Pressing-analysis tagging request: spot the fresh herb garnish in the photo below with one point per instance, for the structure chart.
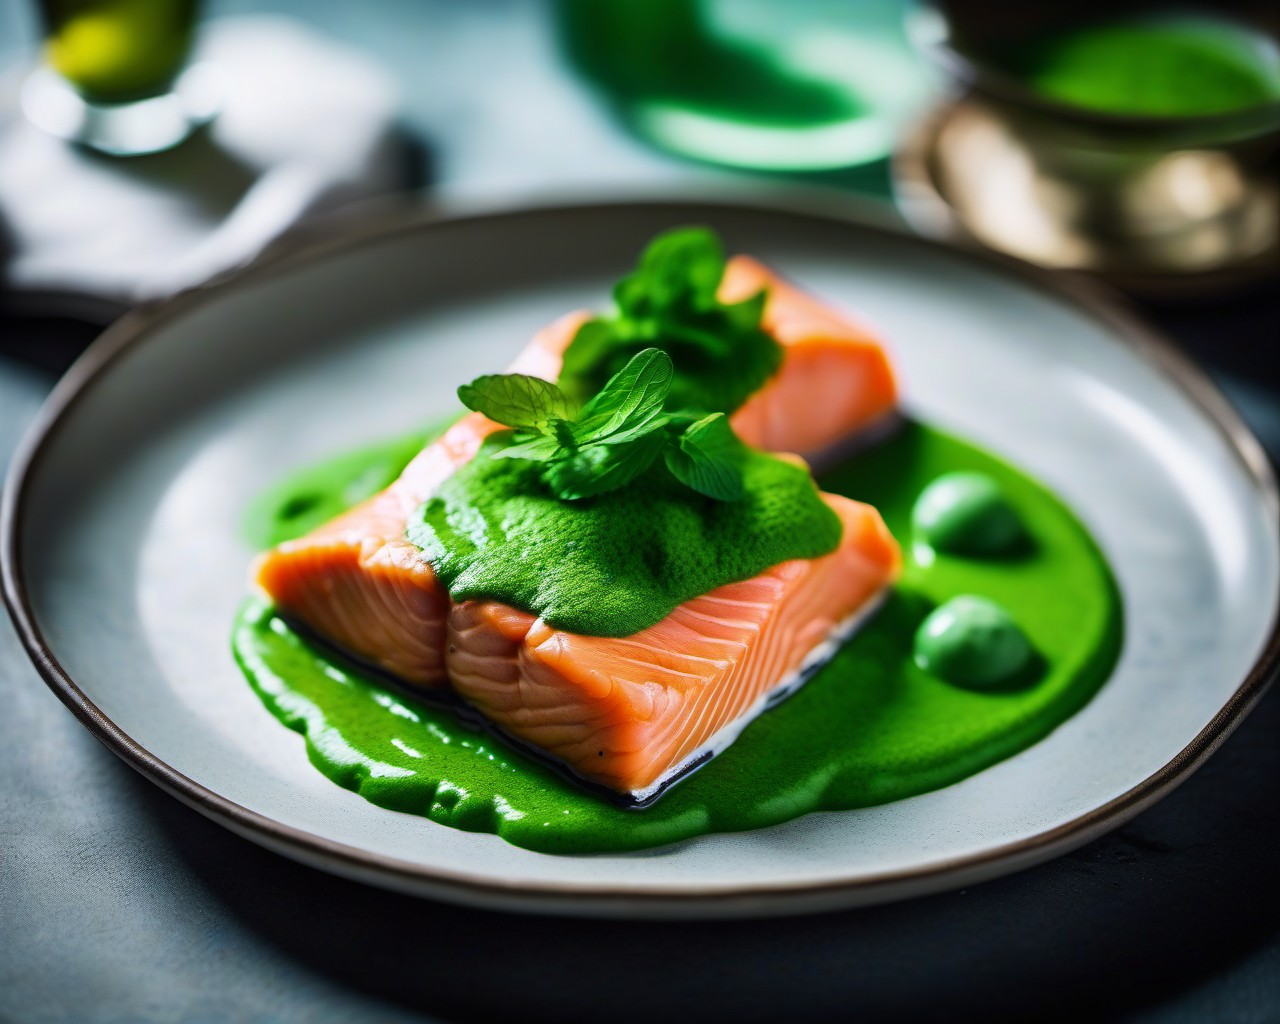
(670, 302)
(707, 458)
(614, 437)
(517, 400)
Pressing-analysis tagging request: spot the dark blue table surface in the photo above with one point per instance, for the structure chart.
(119, 904)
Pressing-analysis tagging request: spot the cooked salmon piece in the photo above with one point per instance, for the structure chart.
(637, 713)
(835, 381)
(358, 584)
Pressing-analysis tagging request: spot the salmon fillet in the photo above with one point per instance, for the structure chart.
(835, 380)
(359, 584)
(635, 714)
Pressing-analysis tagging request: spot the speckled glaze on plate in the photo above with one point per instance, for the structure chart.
(123, 562)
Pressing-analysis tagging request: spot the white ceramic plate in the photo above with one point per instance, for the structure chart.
(124, 564)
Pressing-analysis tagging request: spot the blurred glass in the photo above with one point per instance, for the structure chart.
(114, 51)
(804, 85)
(115, 76)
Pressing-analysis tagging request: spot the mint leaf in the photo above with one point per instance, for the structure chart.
(538, 448)
(709, 458)
(721, 353)
(617, 435)
(599, 468)
(681, 265)
(632, 431)
(517, 400)
(632, 399)
(621, 430)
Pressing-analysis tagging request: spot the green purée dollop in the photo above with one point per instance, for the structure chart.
(972, 642)
(617, 563)
(966, 514)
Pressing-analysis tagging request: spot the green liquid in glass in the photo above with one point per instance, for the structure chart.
(117, 51)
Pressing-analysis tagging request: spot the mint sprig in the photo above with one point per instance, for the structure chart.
(670, 302)
(707, 458)
(517, 400)
(615, 436)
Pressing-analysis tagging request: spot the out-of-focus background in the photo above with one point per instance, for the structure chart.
(495, 88)
(292, 118)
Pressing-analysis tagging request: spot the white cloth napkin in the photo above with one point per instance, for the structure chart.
(305, 126)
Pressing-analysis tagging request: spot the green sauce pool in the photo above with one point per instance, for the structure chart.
(869, 728)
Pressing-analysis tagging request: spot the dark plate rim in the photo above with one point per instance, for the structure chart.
(594, 898)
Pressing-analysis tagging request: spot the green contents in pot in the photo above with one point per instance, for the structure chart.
(1169, 66)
